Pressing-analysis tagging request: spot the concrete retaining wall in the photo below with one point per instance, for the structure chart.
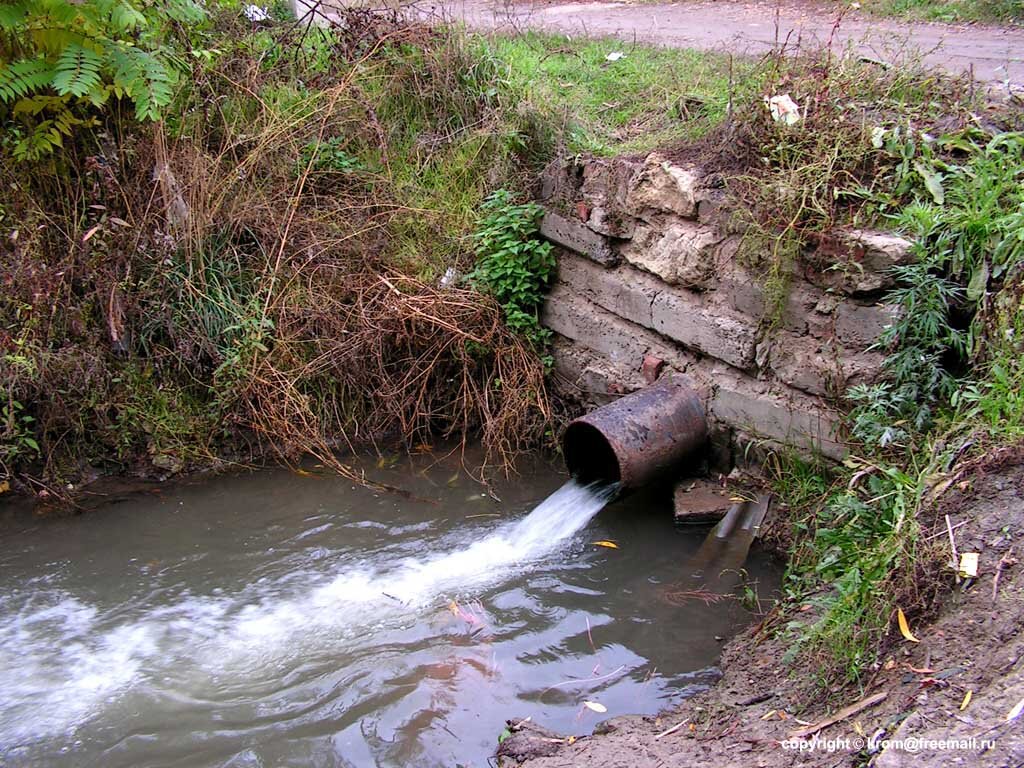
(649, 280)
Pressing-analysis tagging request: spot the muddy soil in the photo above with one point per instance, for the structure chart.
(916, 697)
(992, 55)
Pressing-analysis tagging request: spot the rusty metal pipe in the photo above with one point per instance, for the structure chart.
(638, 436)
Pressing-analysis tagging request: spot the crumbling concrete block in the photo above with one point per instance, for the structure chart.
(804, 363)
(585, 375)
(858, 326)
(712, 330)
(781, 416)
(605, 189)
(699, 501)
(625, 292)
(572, 315)
(577, 237)
(681, 253)
(860, 261)
(742, 291)
(712, 209)
(661, 187)
(821, 368)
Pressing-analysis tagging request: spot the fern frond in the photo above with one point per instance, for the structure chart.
(185, 11)
(33, 105)
(144, 78)
(52, 40)
(42, 140)
(125, 18)
(78, 70)
(12, 15)
(24, 77)
(65, 13)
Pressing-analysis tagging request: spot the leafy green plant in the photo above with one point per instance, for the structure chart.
(61, 60)
(952, 374)
(16, 434)
(512, 264)
(967, 221)
(329, 156)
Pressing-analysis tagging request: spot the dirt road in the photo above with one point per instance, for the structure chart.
(995, 55)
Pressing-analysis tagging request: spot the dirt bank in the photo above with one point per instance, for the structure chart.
(974, 647)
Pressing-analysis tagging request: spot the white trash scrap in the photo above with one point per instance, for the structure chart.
(254, 13)
(783, 109)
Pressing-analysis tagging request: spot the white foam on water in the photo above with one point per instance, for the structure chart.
(61, 662)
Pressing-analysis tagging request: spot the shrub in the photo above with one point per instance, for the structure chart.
(61, 60)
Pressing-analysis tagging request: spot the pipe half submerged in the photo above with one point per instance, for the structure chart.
(638, 437)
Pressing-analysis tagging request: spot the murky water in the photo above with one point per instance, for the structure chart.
(277, 619)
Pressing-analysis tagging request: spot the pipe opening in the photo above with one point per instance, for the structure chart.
(589, 456)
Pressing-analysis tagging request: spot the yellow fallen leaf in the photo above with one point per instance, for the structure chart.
(901, 619)
(595, 707)
(302, 472)
(5, 486)
(966, 701)
(606, 543)
(858, 728)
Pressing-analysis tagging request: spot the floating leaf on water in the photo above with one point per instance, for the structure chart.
(606, 543)
(901, 619)
(595, 707)
(302, 472)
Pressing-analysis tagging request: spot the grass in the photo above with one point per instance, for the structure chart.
(949, 11)
(645, 99)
